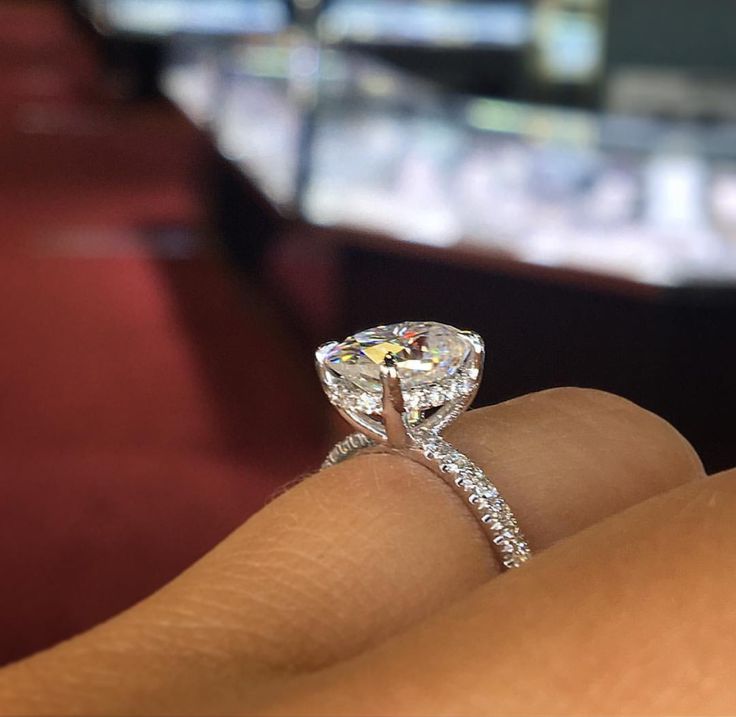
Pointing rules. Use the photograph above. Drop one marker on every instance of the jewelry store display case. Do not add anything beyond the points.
(344, 142)
(588, 248)
(163, 18)
(136, 33)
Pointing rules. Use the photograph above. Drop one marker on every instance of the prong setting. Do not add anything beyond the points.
(393, 404)
(437, 367)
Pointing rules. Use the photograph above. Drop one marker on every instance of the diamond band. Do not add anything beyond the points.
(400, 386)
(467, 479)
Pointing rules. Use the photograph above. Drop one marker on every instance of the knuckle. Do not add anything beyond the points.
(588, 398)
(594, 421)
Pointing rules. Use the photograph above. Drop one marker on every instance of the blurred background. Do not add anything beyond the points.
(195, 193)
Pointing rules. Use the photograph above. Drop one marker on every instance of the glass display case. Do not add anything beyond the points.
(343, 141)
(448, 23)
(163, 18)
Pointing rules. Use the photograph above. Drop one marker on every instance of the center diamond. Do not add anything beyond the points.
(435, 363)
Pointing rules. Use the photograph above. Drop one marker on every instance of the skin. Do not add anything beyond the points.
(369, 589)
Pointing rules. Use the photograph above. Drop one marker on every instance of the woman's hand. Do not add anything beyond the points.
(369, 589)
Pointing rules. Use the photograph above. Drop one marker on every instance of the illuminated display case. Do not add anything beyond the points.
(163, 18)
(514, 48)
(344, 141)
(449, 23)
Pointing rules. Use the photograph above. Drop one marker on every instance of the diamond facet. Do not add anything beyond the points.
(435, 363)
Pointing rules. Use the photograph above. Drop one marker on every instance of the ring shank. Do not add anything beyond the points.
(466, 478)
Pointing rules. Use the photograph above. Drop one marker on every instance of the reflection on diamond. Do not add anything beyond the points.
(436, 363)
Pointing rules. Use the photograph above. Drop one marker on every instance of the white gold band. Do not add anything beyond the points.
(466, 478)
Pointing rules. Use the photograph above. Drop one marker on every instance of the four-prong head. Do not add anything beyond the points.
(427, 370)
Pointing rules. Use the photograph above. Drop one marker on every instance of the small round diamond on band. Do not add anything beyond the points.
(400, 386)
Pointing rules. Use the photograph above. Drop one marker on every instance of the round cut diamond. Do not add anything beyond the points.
(435, 363)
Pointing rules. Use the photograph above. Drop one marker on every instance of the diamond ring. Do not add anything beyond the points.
(400, 386)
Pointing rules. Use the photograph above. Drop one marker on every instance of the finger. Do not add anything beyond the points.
(361, 551)
(636, 615)
(567, 458)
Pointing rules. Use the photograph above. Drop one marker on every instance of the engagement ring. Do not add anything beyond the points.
(400, 386)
